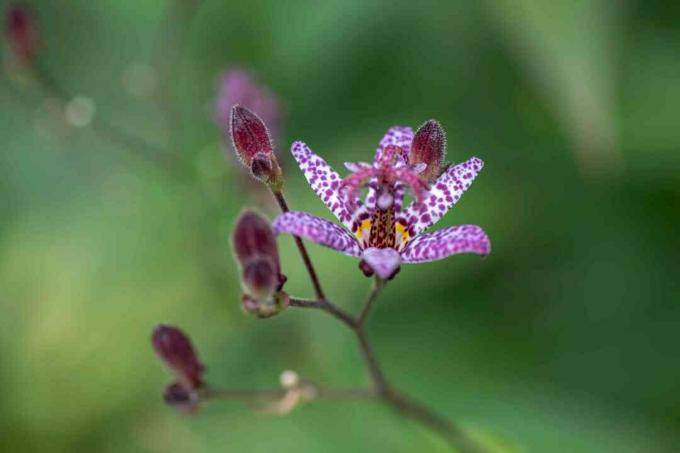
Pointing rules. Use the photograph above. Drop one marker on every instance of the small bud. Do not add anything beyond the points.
(254, 146)
(22, 37)
(237, 86)
(254, 238)
(184, 400)
(260, 278)
(265, 308)
(258, 256)
(429, 147)
(175, 350)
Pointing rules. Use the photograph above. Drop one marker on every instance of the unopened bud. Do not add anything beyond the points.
(258, 255)
(260, 278)
(184, 400)
(22, 36)
(265, 308)
(254, 146)
(429, 147)
(238, 86)
(174, 348)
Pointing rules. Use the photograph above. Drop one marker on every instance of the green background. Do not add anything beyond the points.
(565, 339)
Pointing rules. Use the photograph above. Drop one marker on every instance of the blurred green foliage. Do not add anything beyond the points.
(563, 340)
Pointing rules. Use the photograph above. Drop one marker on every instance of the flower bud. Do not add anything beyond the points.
(237, 86)
(184, 400)
(429, 147)
(265, 308)
(22, 37)
(258, 256)
(175, 350)
(254, 146)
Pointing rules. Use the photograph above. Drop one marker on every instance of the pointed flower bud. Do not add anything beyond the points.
(238, 86)
(258, 256)
(174, 348)
(254, 146)
(429, 147)
(21, 34)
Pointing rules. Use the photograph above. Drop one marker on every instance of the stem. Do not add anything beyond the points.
(435, 422)
(378, 285)
(140, 148)
(278, 195)
(276, 394)
(382, 390)
(332, 309)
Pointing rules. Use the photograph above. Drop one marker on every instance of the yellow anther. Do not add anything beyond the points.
(402, 236)
(365, 225)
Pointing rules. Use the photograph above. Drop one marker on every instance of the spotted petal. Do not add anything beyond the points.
(324, 180)
(444, 193)
(317, 230)
(446, 242)
(398, 136)
(384, 262)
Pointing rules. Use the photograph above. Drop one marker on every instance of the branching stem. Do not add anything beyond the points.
(382, 390)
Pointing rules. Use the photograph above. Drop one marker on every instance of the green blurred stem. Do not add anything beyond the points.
(136, 146)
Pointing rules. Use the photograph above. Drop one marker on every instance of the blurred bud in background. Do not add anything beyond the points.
(237, 86)
(429, 147)
(22, 39)
(174, 348)
(258, 256)
(179, 397)
(253, 145)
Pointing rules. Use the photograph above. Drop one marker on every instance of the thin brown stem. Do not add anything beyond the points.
(378, 285)
(278, 393)
(326, 306)
(435, 422)
(382, 390)
(278, 195)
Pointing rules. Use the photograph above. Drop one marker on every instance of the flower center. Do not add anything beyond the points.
(378, 226)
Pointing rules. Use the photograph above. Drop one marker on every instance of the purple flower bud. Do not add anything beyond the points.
(175, 350)
(184, 400)
(238, 86)
(429, 147)
(254, 146)
(268, 308)
(254, 238)
(21, 30)
(258, 256)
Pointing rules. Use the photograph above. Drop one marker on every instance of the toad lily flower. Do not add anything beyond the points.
(379, 230)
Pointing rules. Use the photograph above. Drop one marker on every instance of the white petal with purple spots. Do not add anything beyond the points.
(324, 180)
(444, 193)
(317, 230)
(446, 242)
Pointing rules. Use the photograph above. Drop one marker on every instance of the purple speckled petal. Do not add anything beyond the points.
(444, 193)
(445, 242)
(384, 262)
(324, 180)
(398, 136)
(317, 230)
